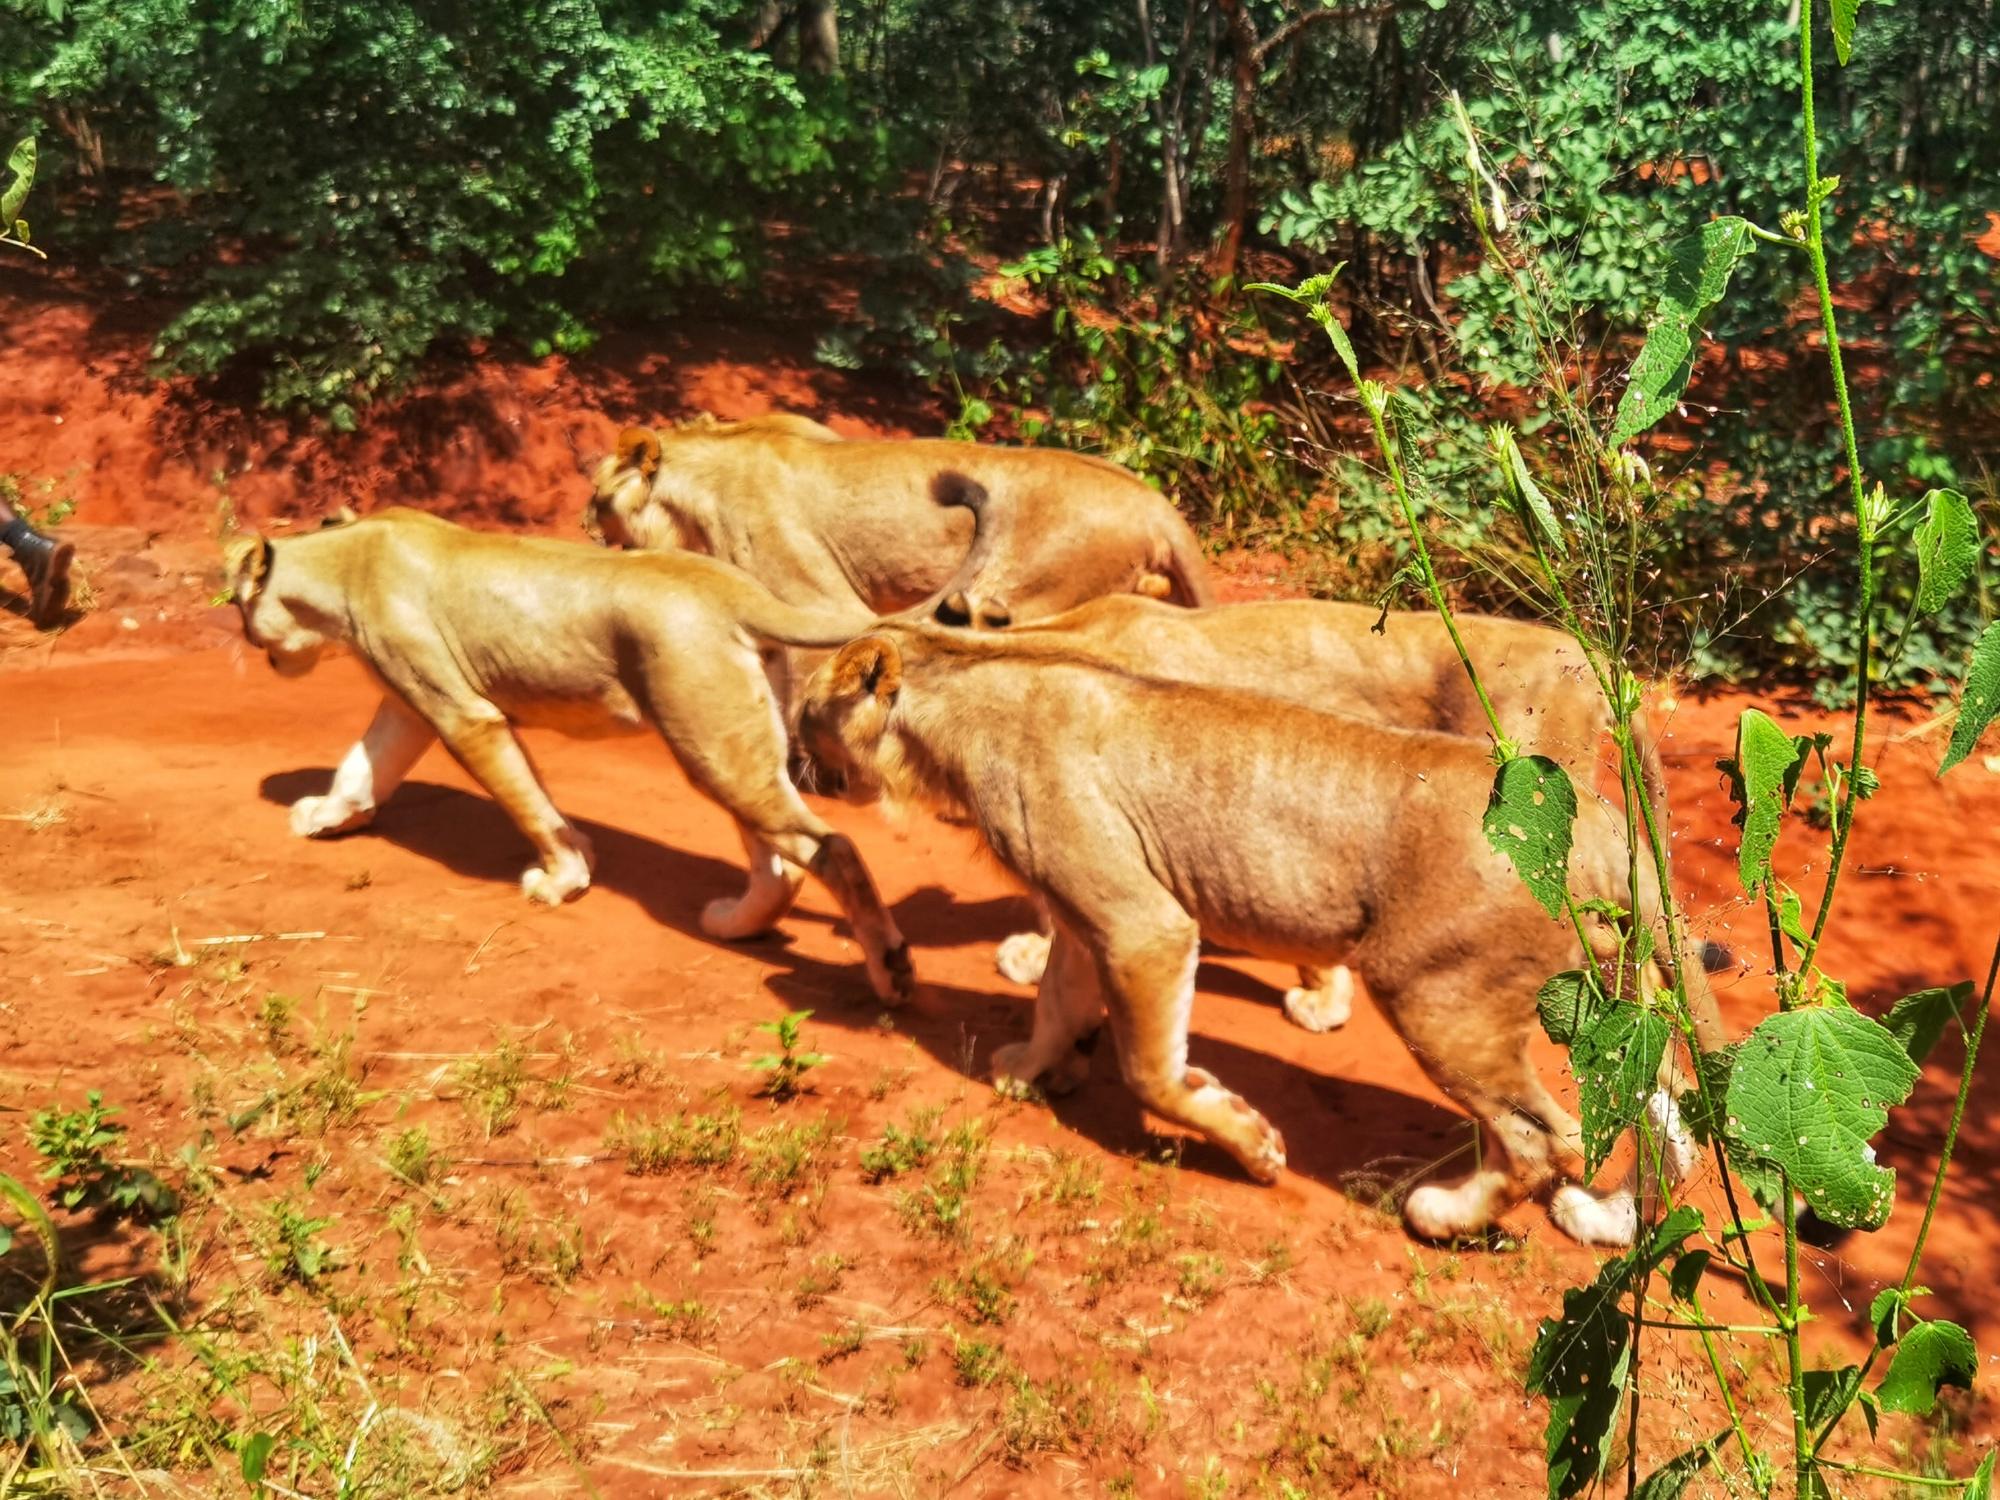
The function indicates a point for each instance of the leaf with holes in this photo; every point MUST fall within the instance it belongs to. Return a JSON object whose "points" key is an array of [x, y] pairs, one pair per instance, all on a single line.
{"points": [[1568, 1002], [1887, 1311], [1616, 1061], [1581, 1359], [1947, 549], [1980, 700], [1698, 273], [1808, 1090], [1763, 777], [1532, 505], [1528, 819], [1929, 1355], [1917, 1021]]}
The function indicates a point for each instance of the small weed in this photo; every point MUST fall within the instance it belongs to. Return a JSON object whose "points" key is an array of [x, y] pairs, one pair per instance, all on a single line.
{"points": [[288, 1239], [906, 1150], [783, 1158], [498, 1086], [787, 1067], [687, 1318], [938, 1208], [1371, 1317], [822, 1277], [274, 1019], [72, 1143], [1071, 1186], [701, 1220], [413, 1159], [976, 1363], [1201, 1279], [843, 1341], [676, 1140]]}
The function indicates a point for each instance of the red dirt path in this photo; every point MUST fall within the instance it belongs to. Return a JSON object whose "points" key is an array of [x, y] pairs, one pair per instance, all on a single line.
{"points": [[148, 768]]}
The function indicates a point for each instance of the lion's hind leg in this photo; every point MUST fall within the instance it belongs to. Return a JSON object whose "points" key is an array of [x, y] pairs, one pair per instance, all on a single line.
{"points": [[1322, 1000]]}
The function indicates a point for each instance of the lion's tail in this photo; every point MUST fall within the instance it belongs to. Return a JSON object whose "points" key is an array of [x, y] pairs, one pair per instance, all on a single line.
{"points": [[773, 620]]}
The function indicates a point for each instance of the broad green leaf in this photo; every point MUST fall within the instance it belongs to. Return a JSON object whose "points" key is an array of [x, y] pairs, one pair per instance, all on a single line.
{"points": [[1616, 1061], [21, 164], [254, 1454], [1580, 1360], [1766, 771], [1698, 274], [1887, 1311], [1685, 1279], [1535, 510], [1980, 701], [1843, 27], [1567, 1003], [1947, 549], [1830, 1392], [1671, 1479], [1929, 1355], [1917, 1021], [1528, 819], [1980, 1485], [1807, 1091]]}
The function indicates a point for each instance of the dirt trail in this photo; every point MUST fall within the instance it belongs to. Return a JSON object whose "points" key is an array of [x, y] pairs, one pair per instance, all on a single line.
{"points": [[147, 800]]}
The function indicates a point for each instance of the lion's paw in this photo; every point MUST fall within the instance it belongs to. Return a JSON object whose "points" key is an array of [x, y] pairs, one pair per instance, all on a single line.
{"points": [[1610, 1223], [1326, 1008], [726, 917], [1022, 957], [554, 887], [1265, 1160], [322, 817], [1009, 1081]]}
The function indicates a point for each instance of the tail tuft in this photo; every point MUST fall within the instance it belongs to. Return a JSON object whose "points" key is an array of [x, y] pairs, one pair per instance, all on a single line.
{"points": [[1715, 957]]}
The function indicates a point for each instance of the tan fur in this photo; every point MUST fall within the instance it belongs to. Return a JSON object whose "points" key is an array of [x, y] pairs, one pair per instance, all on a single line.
{"points": [[1149, 814], [889, 523], [472, 635], [1329, 656]]}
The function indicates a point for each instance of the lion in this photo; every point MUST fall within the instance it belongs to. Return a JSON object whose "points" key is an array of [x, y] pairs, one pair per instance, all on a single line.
{"points": [[472, 635], [889, 523], [1148, 814], [1395, 667]]}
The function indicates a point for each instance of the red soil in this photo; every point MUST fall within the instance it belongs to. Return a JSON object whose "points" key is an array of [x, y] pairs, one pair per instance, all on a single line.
{"points": [[148, 769]]}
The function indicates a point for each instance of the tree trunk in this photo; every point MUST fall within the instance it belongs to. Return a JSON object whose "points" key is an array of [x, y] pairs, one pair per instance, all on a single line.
{"points": [[1243, 66], [819, 38]]}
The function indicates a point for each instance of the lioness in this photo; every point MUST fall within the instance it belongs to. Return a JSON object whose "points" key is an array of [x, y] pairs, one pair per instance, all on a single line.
{"points": [[1329, 656], [472, 634], [1149, 813], [888, 523]]}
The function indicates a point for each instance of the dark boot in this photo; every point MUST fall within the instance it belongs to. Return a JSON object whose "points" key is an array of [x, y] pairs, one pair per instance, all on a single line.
{"points": [[46, 562]]}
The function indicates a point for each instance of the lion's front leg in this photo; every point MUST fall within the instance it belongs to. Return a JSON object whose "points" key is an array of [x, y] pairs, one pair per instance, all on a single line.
{"points": [[368, 774], [487, 748]]}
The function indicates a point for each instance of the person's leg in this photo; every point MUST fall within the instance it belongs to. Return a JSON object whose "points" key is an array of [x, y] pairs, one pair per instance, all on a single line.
{"points": [[46, 562]]}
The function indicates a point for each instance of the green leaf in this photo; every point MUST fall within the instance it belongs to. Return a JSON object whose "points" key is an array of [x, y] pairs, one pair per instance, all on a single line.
{"points": [[1535, 510], [1671, 1479], [1947, 549], [1917, 1021], [1685, 1279], [1830, 1392], [1980, 700], [1888, 1310], [1567, 1003], [1930, 1355], [1528, 819], [1765, 772], [1617, 1063], [1808, 1089], [21, 163], [1843, 27], [1698, 273], [1581, 1359], [254, 1454], [1980, 1485]]}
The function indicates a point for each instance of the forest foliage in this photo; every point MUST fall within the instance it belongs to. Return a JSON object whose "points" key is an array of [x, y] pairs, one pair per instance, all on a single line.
{"points": [[333, 191]]}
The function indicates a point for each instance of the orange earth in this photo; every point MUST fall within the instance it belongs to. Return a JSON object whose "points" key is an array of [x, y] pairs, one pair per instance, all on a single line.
{"points": [[1069, 1301]]}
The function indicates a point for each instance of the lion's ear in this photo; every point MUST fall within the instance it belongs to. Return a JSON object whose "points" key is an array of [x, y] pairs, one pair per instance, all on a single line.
{"points": [[871, 665], [246, 558], [639, 448]]}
